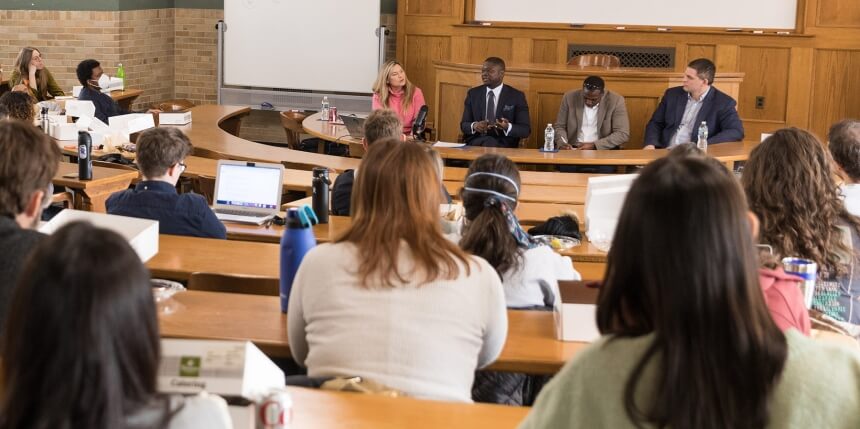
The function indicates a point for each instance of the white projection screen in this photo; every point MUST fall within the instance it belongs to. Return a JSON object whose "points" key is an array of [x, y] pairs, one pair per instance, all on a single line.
{"points": [[326, 46], [753, 14]]}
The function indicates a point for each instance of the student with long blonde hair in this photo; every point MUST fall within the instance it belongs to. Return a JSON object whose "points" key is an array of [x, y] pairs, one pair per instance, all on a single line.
{"points": [[393, 90], [392, 300]]}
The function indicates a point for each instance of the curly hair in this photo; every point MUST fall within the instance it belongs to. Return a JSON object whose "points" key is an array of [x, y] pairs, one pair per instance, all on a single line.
{"points": [[19, 105], [789, 186]]}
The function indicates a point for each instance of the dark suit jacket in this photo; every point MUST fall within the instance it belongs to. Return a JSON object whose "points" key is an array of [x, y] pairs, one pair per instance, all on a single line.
{"points": [[718, 110], [341, 193], [17, 244], [511, 105], [613, 125]]}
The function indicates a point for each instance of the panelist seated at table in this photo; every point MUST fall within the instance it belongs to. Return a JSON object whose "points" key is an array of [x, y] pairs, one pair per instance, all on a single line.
{"points": [[89, 72], [18, 105], [380, 125], [29, 162], [683, 109], [495, 114], [393, 90], [161, 155], [31, 76], [392, 300], [592, 118]]}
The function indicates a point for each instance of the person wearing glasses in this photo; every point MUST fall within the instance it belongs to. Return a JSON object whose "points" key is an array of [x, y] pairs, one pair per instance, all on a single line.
{"points": [[592, 118], [31, 76], [683, 109], [161, 155], [495, 115]]}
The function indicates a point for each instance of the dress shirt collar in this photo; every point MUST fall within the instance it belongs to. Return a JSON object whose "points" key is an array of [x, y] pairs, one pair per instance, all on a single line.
{"points": [[155, 185], [704, 94]]}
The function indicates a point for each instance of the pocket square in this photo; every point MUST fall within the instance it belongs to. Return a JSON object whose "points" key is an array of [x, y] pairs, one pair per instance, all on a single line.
{"points": [[508, 108]]}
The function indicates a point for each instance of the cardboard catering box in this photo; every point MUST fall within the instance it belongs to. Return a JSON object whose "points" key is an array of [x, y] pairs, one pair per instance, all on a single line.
{"points": [[141, 234], [575, 312]]}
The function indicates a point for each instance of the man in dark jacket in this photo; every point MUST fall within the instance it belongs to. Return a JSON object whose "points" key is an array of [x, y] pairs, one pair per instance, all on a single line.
{"points": [[683, 109], [495, 114]]}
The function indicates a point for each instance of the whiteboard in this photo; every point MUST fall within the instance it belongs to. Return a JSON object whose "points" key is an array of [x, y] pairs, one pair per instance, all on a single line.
{"points": [[315, 45], [777, 14]]}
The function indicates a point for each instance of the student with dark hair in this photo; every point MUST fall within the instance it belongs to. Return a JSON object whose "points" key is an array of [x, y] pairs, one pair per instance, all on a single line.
{"points": [[688, 341], [529, 270], [844, 137], [495, 114], [789, 185], [81, 347], [19, 105], [89, 72], [683, 109], [28, 163], [161, 155]]}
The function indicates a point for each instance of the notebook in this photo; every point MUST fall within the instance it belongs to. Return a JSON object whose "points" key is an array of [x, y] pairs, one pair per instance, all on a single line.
{"points": [[247, 192], [355, 125]]}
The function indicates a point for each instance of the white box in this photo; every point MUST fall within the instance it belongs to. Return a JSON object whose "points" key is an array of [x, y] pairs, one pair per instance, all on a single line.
{"points": [[243, 416], [604, 198], [179, 118], [575, 312], [141, 234], [64, 131]]}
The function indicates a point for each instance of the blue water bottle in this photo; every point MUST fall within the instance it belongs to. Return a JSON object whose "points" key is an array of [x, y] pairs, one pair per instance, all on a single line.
{"points": [[297, 240]]}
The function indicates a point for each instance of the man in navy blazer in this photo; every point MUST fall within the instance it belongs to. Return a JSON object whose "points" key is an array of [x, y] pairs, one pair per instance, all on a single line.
{"points": [[683, 108], [495, 115]]}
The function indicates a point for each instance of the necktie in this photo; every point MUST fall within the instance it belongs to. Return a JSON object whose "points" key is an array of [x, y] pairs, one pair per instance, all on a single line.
{"points": [[491, 107]]}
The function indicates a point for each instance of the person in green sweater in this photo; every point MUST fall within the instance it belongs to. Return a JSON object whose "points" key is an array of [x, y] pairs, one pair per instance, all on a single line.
{"points": [[31, 75], [687, 339]]}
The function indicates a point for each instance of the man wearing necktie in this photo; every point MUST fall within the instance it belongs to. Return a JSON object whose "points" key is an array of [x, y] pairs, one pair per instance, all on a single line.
{"points": [[495, 114]]}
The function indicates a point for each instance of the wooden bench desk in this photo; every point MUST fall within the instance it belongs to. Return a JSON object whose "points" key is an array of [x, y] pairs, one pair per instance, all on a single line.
{"points": [[531, 345], [91, 195]]}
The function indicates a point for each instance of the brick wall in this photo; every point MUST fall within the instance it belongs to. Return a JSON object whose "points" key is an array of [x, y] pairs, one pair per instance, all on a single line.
{"points": [[195, 54], [146, 50]]}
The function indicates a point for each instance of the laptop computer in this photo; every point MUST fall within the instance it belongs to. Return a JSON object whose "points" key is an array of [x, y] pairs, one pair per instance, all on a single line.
{"points": [[247, 192], [354, 124]]}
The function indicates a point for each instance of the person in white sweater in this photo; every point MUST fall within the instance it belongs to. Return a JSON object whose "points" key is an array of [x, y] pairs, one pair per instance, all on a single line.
{"points": [[530, 271], [392, 300], [81, 347]]}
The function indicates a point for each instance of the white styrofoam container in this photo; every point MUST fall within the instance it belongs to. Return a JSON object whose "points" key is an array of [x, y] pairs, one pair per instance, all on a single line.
{"points": [[141, 234], [178, 118], [64, 131], [575, 312]]}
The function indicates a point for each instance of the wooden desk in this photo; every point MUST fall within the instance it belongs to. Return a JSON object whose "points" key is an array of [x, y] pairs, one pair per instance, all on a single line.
{"points": [[91, 195], [125, 98], [319, 409], [531, 345]]}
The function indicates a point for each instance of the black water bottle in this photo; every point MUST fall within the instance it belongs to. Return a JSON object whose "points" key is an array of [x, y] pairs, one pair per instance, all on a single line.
{"points": [[85, 158], [319, 200]]}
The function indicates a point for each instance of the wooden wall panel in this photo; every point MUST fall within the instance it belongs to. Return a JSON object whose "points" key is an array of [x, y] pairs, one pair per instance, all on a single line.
{"points": [[835, 88], [482, 47], [838, 13], [701, 51], [639, 110], [419, 54], [546, 112], [430, 7], [450, 111], [545, 51], [766, 76]]}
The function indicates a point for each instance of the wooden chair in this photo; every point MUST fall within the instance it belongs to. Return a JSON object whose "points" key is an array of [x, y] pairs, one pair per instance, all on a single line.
{"points": [[595, 60], [66, 198], [212, 282], [173, 106], [204, 185], [292, 122]]}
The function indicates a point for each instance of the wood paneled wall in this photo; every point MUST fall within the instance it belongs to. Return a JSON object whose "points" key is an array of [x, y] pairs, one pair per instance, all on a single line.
{"points": [[808, 80]]}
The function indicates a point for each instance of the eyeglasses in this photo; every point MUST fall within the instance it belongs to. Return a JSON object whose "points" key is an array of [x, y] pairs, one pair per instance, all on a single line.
{"points": [[592, 87]]}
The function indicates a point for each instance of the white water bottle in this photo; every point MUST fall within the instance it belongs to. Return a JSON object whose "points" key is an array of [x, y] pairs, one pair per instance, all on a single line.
{"points": [[324, 111], [549, 138], [702, 142]]}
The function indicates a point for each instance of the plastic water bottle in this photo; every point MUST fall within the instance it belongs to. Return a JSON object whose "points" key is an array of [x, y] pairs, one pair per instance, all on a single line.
{"points": [[297, 240], [120, 72], [319, 199], [549, 138], [85, 158], [702, 142], [324, 111]]}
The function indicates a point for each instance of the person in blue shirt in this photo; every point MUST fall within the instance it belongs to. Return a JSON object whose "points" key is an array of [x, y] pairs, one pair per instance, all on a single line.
{"points": [[161, 154]]}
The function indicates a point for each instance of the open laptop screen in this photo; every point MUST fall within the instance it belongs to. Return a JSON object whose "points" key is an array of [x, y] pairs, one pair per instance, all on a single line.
{"points": [[248, 186]]}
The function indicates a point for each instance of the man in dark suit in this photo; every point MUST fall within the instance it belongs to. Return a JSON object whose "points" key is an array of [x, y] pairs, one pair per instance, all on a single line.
{"points": [[495, 115], [684, 108]]}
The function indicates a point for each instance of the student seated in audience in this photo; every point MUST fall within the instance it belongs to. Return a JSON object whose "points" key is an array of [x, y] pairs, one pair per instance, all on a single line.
{"points": [[392, 300], [392, 90], [844, 146], [379, 125], [161, 155], [28, 163], [89, 72], [81, 347], [530, 271], [790, 187], [688, 341], [19, 105], [31, 76]]}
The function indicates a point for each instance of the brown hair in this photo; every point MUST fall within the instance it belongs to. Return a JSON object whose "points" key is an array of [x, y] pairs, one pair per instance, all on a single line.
{"points": [[160, 148], [716, 352], [844, 137], [486, 233], [380, 87], [22, 65], [789, 186], [19, 105], [30, 160], [381, 124], [395, 207]]}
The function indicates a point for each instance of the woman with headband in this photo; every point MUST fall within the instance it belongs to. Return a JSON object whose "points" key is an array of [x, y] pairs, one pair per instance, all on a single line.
{"points": [[492, 231]]}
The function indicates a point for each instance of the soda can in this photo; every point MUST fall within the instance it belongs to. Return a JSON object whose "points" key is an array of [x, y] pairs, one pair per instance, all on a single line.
{"points": [[276, 411], [333, 112], [806, 270]]}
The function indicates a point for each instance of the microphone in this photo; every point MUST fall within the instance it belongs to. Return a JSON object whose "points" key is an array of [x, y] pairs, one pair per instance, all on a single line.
{"points": [[420, 121]]}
